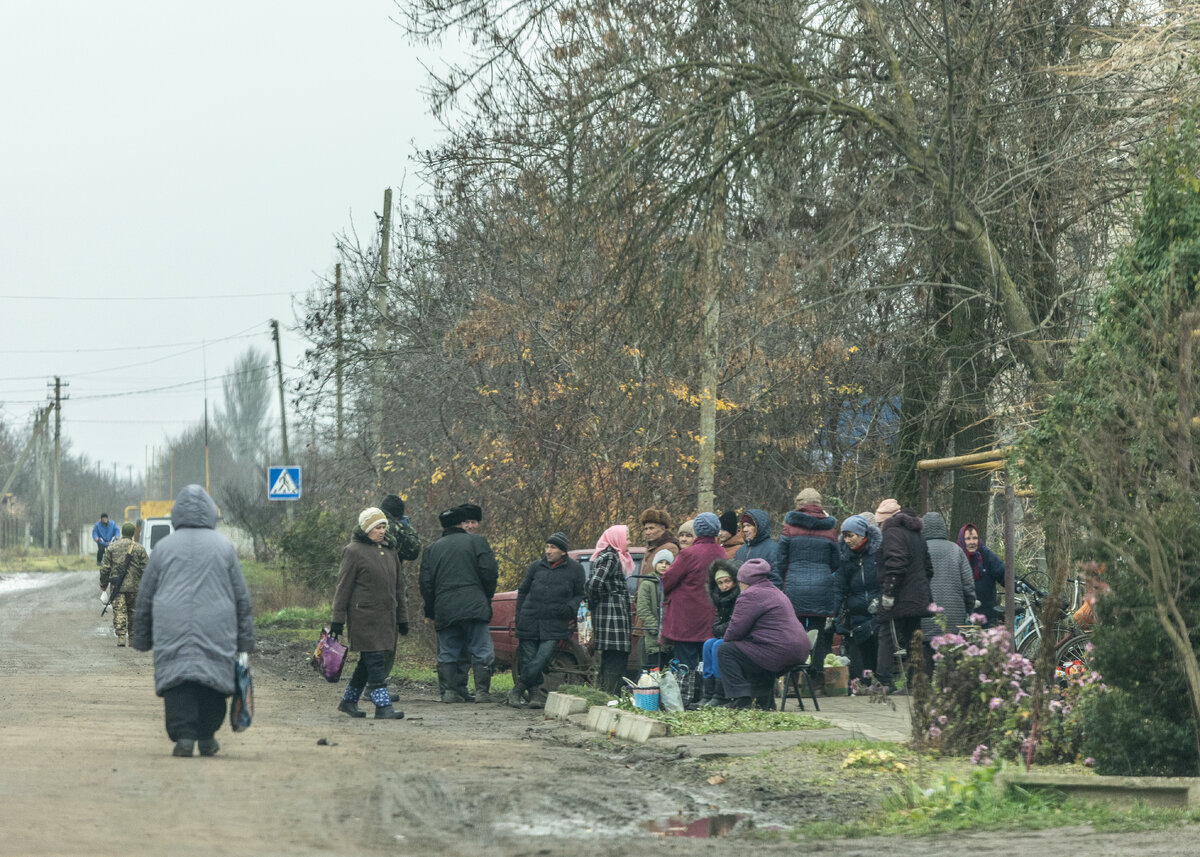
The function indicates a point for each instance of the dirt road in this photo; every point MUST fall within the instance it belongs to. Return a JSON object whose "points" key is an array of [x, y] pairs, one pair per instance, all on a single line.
{"points": [[85, 768]]}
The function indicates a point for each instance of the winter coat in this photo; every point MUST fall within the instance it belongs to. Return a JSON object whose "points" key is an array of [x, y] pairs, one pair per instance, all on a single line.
{"points": [[991, 571], [766, 629], [403, 539], [106, 533], [722, 603], [114, 562], [369, 597], [732, 544], [548, 599], [856, 585], [687, 612], [762, 546], [804, 564], [458, 578], [649, 613], [608, 599], [906, 569], [193, 606], [952, 586], [646, 568]]}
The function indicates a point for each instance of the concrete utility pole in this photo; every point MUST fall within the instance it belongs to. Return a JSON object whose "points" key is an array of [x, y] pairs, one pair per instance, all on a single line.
{"points": [[337, 349], [287, 458], [381, 281], [58, 399]]}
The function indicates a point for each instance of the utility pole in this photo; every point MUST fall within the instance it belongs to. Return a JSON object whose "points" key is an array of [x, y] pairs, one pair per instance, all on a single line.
{"points": [[337, 346], [58, 399], [287, 459], [381, 281]]}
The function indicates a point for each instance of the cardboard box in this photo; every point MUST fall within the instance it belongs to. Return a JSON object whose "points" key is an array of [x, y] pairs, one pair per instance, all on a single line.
{"points": [[837, 681]]}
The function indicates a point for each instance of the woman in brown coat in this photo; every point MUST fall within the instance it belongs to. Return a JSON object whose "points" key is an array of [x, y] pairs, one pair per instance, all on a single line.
{"points": [[370, 599]]}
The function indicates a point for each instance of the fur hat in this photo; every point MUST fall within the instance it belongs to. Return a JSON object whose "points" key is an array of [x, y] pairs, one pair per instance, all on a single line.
{"points": [[470, 512], [706, 524], [729, 521], [886, 509], [657, 516], [128, 529], [808, 497], [752, 571], [392, 506], [451, 517], [663, 554], [370, 518], [559, 540]]}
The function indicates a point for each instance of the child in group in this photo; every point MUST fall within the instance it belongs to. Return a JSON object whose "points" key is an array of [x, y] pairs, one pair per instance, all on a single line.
{"points": [[723, 592], [649, 598]]}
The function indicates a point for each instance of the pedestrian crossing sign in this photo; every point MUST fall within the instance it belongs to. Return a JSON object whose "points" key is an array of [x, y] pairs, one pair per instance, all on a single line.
{"points": [[283, 483]]}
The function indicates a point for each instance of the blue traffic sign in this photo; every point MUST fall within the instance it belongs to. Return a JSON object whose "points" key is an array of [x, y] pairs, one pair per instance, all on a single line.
{"points": [[283, 483]]}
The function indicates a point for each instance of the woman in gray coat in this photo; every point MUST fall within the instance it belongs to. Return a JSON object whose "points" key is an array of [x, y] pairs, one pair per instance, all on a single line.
{"points": [[370, 598], [193, 610]]}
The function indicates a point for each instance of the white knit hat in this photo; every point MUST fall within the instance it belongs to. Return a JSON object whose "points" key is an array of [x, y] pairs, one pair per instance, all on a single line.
{"points": [[370, 518]]}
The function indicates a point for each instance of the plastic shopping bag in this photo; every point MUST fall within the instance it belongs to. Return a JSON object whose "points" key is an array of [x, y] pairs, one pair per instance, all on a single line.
{"points": [[669, 696]]}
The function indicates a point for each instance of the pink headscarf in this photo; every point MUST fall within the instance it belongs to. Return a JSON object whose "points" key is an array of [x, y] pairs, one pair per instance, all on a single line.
{"points": [[617, 538]]}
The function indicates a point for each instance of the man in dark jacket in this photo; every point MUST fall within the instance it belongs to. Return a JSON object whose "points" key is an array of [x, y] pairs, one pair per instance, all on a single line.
{"points": [[547, 604], [458, 579], [904, 589]]}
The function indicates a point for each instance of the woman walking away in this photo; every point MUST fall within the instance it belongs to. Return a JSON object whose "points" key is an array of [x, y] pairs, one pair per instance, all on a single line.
{"points": [[952, 587], [764, 637], [649, 611], [856, 587], [904, 590], [987, 570], [687, 612], [370, 600], [193, 610], [608, 599], [723, 593]]}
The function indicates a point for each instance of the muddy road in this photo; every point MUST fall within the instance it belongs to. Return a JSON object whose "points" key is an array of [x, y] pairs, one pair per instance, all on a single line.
{"points": [[86, 769]]}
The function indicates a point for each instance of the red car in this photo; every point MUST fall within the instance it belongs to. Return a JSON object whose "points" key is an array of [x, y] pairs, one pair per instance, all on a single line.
{"points": [[572, 663]]}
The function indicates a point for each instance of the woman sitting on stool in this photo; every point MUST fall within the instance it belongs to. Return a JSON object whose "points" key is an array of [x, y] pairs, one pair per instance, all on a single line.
{"points": [[763, 638]]}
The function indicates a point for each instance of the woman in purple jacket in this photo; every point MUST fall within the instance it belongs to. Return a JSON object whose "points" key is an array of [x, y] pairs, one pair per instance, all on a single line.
{"points": [[763, 638], [687, 613]]}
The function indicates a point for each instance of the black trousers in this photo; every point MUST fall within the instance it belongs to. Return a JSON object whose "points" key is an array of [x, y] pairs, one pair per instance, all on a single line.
{"points": [[193, 710], [885, 657], [612, 668], [372, 669], [741, 676]]}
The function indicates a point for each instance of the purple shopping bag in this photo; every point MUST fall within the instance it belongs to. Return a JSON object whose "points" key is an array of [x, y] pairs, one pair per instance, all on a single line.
{"points": [[329, 656]]}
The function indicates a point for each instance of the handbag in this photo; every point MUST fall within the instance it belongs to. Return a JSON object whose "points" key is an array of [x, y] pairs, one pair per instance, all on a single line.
{"points": [[241, 707], [329, 657]]}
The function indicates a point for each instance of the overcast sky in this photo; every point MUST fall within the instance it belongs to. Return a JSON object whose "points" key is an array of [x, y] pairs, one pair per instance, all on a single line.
{"points": [[172, 174]]}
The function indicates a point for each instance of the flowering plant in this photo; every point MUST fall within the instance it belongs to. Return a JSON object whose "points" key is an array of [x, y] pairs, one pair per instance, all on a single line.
{"points": [[980, 701]]}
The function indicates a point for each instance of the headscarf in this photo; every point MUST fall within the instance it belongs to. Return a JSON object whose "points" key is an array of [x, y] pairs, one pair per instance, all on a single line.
{"points": [[617, 538], [976, 558]]}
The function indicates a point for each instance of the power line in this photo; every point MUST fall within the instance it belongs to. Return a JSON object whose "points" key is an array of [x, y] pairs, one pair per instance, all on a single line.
{"points": [[73, 299]]}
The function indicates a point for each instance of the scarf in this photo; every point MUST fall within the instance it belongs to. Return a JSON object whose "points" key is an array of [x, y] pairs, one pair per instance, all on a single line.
{"points": [[617, 538], [976, 558]]}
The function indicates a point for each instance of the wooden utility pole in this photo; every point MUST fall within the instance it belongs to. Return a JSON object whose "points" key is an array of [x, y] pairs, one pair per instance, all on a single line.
{"points": [[287, 458], [54, 515], [337, 348], [381, 282]]}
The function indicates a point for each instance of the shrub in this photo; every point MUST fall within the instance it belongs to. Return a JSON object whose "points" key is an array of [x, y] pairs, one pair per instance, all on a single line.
{"points": [[311, 548], [980, 701]]}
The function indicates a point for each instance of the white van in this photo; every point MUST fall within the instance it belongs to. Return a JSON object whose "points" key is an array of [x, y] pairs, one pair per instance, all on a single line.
{"points": [[153, 531]]}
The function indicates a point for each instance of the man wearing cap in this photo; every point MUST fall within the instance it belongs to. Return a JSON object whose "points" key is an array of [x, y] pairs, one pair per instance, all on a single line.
{"points": [[458, 579], [472, 521], [123, 554], [547, 603]]}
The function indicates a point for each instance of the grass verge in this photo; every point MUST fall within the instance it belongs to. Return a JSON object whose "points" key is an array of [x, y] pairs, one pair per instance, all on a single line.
{"points": [[709, 721]]}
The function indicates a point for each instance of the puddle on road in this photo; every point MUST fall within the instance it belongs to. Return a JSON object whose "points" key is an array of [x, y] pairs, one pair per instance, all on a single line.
{"points": [[708, 827], [23, 580]]}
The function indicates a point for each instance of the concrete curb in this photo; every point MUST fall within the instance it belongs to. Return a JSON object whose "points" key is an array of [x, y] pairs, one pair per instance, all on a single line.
{"points": [[560, 706], [624, 724], [1170, 792]]}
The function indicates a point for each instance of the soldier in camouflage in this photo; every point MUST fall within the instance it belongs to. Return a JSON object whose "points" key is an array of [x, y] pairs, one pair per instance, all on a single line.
{"points": [[123, 602], [402, 538]]}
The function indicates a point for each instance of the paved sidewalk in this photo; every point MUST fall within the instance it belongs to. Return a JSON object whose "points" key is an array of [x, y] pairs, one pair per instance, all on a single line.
{"points": [[851, 717]]}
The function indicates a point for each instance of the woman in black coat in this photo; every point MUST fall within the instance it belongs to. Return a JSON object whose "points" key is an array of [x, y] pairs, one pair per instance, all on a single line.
{"points": [[722, 592], [856, 586], [904, 589]]}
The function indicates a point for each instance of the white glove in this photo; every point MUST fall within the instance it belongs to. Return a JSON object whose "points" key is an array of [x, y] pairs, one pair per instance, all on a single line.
{"points": [[887, 602], [243, 659]]}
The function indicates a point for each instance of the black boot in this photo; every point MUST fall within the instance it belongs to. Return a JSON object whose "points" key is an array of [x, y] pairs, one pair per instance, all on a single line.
{"points": [[184, 747], [740, 702], [448, 681], [351, 708], [386, 712], [717, 700], [707, 693], [483, 684], [464, 673]]}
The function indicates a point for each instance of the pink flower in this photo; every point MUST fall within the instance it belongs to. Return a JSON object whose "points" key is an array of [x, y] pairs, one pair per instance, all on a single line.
{"points": [[934, 608], [934, 732], [995, 703], [977, 619], [1089, 762], [942, 720], [972, 651]]}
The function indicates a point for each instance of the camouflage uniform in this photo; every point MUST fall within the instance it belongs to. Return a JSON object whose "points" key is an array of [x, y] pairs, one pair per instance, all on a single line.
{"points": [[402, 538], [110, 568]]}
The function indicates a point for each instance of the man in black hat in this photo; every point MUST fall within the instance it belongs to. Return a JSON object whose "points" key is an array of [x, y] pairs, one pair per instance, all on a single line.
{"points": [[547, 603], [458, 579], [472, 516]]}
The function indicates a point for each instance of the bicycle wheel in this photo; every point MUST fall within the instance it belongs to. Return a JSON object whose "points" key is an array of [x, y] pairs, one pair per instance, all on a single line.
{"points": [[1074, 649], [1028, 647]]}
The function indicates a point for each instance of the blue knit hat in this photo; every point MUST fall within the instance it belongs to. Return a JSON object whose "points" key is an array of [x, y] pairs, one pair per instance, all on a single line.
{"points": [[856, 524], [706, 524]]}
